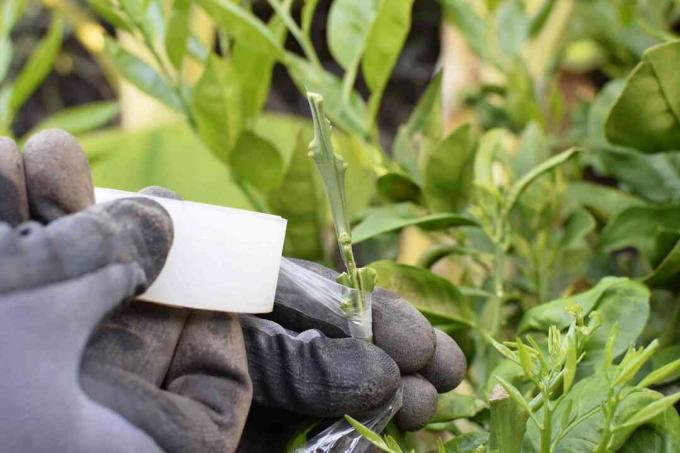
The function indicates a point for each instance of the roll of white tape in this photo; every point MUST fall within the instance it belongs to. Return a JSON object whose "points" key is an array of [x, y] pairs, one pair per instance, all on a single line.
{"points": [[221, 259]]}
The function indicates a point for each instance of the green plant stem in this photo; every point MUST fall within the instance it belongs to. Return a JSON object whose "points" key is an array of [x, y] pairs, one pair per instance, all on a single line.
{"points": [[294, 29], [609, 411], [332, 170], [348, 83], [546, 431]]}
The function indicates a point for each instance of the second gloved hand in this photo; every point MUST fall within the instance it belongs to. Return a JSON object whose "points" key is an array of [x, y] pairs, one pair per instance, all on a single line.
{"points": [[301, 360]]}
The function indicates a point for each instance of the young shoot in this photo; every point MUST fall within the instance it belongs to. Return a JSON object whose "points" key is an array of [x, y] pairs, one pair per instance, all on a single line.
{"points": [[332, 170]]}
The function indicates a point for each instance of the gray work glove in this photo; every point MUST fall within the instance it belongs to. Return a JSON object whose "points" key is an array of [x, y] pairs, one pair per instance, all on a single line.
{"points": [[152, 378], [302, 363]]}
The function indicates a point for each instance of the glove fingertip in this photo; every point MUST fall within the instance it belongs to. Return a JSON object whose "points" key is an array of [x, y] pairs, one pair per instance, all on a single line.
{"points": [[448, 365], [14, 200], [419, 403], [58, 179]]}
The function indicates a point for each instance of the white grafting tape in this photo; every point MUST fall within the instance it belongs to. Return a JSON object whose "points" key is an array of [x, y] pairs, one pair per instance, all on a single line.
{"points": [[221, 259]]}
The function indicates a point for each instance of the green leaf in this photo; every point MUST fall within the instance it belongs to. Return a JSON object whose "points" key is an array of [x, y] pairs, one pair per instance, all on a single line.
{"points": [[665, 275], [178, 32], [512, 26], [570, 367], [661, 374], [307, 15], [616, 299], [257, 162], [633, 362], [397, 186], [423, 129], [372, 437], [577, 226], [348, 27], [467, 443], [463, 16], [651, 410], [452, 406], [10, 13], [605, 202], [132, 160], [647, 114], [37, 67], [524, 182], [433, 295], [639, 227], [82, 118], [217, 107], [242, 25], [141, 75], [509, 414], [448, 171], [254, 68], [110, 14], [6, 53], [351, 116], [397, 216], [383, 46], [299, 200]]}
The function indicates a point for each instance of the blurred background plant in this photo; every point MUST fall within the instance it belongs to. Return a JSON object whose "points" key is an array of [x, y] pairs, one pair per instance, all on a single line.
{"points": [[513, 171]]}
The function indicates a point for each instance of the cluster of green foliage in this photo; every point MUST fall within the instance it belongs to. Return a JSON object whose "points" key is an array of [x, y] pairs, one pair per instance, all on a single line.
{"points": [[561, 218]]}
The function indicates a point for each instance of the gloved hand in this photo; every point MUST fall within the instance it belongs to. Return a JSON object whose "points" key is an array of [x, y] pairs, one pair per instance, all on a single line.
{"points": [[166, 378], [301, 363]]}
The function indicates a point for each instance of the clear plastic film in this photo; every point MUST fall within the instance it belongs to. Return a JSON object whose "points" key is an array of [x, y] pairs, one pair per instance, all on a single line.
{"points": [[351, 312], [343, 307]]}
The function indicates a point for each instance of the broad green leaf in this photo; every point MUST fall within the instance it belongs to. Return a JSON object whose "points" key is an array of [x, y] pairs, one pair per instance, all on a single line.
{"points": [[452, 406], [397, 216], [242, 25], [647, 114], [616, 299], [383, 46], [299, 200], [178, 32], [605, 202], [509, 414], [533, 149], [37, 67], [639, 227], [524, 182], [423, 129], [448, 171], [467, 443], [147, 15], [577, 226], [254, 69], [397, 186], [665, 275], [352, 116], [217, 107], [82, 118], [463, 16], [256, 161], [134, 160], [512, 25], [141, 75], [348, 27], [433, 295]]}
